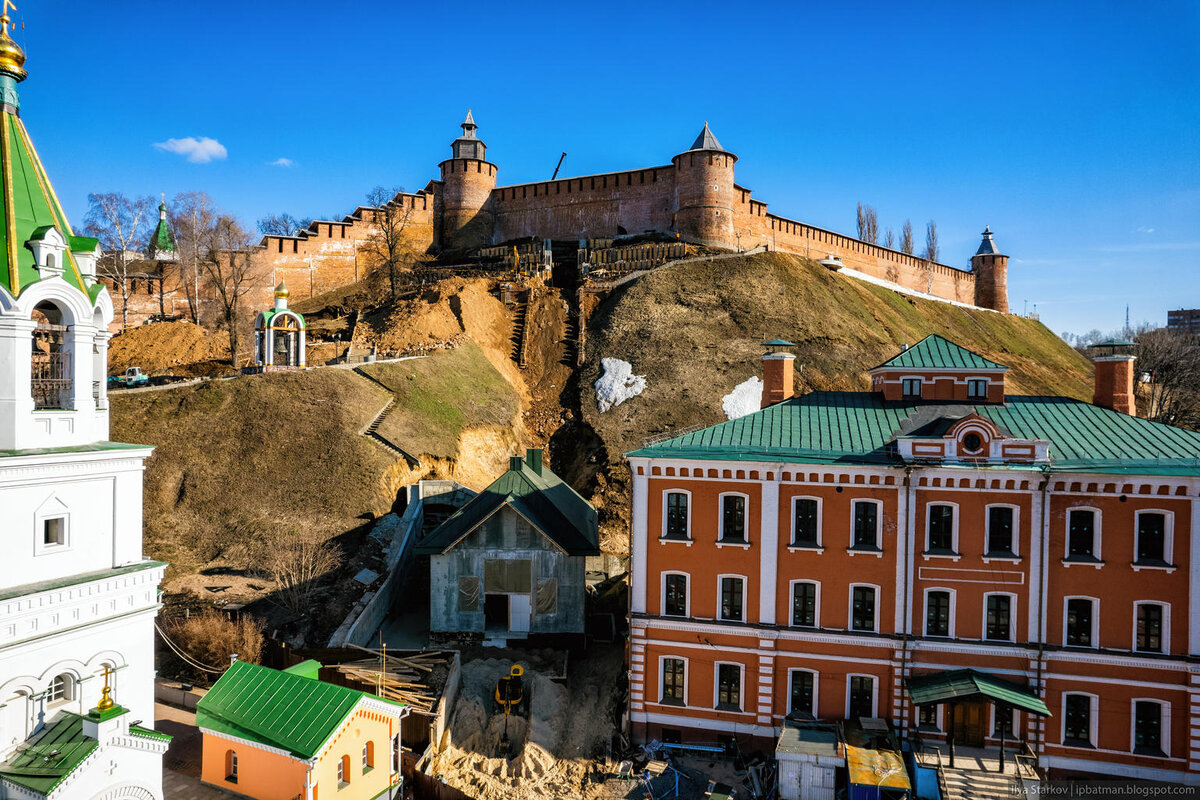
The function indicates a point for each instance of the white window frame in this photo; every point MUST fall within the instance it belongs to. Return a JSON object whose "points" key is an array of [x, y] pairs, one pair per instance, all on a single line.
{"points": [[662, 682], [987, 530], [904, 379], [816, 603], [1164, 723], [850, 606], [991, 731], [1168, 535], [745, 583], [1166, 626], [1093, 719], [1012, 618], [854, 501], [954, 551], [1097, 533], [70, 690], [987, 385], [820, 546], [925, 611], [874, 691], [816, 682], [721, 542], [687, 595], [1095, 645], [232, 767], [941, 725], [663, 533], [53, 508], [741, 709]]}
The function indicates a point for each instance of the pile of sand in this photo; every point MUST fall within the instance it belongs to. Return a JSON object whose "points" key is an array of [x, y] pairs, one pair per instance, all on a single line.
{"points": [[158, 346], [534, 762]]}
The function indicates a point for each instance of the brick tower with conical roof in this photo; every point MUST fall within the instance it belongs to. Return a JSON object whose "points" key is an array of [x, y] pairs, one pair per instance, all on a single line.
{"points": [[704, 191], [991, 274], [468, 178]]}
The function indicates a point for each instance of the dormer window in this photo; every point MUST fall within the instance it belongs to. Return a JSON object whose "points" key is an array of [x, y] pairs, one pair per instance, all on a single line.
{"points": [[912, 387], [49, 251], [977, 389], [972, 442]]}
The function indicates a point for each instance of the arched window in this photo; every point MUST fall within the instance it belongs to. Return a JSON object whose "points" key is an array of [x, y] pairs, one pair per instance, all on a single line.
{"points": [[231, 766], [343, 771], [50, 260], [368, 756], [62, 689], [50, 359]]}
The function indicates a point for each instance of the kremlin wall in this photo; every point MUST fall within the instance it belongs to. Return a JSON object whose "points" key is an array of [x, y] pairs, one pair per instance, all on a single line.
{"points": [[693, 199]]}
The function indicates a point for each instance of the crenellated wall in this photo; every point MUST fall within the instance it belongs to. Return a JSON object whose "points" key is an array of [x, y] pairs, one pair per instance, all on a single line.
{"points": [[591, 206], [694, 198]]}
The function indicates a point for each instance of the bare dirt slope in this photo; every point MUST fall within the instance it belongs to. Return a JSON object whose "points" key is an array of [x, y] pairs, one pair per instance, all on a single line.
{"points": [[695, 331], [158, 347]]}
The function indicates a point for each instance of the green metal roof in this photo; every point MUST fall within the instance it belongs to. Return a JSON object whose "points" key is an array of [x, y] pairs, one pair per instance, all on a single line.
{"points": [[543, 498], [271, 313], [29, 204], [962, 684], [162, 240], [778, 343], [50, 755], [934, 352], [861, 428], [277, 709]]}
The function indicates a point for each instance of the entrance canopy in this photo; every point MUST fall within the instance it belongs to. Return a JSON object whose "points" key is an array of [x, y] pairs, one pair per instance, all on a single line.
{"points": [[969, 684]]}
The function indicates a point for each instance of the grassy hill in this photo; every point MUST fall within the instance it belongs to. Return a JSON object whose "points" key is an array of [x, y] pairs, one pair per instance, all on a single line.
{"points": [[695, 330], [284, 450]]}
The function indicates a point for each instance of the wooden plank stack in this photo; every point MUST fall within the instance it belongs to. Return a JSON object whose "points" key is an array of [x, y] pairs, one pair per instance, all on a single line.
{"points": [[399, 678]]}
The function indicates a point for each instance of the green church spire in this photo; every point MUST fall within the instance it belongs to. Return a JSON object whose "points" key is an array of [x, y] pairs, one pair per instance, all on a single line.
{"points": [[161, 246]]}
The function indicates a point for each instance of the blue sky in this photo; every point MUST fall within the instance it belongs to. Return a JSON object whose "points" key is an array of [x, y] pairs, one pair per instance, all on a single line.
{"points": [[1073, 130]]}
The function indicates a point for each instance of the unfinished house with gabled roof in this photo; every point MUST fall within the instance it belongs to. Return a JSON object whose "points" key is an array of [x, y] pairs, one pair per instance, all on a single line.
{"points": [[511, 562]]}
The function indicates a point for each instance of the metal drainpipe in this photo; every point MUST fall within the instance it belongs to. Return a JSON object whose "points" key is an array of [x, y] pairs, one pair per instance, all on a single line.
{"points": [[908, 525], [308, 785], [1041, 633]]}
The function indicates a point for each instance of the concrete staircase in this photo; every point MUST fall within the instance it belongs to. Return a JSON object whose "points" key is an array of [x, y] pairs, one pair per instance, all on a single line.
{"points": [[371, 431], [971, 784]]}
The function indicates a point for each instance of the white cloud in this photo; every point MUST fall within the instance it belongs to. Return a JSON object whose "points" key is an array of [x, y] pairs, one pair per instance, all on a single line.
{"points": [[283, 162], [1144, 229], [198, 151]]}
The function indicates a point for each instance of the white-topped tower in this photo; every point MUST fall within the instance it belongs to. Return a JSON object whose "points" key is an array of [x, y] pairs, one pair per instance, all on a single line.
{"points": [[77, 598]]}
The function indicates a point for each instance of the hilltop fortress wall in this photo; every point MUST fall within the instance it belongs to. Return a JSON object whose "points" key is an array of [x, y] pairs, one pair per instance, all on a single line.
{"points": [[695, 198]]}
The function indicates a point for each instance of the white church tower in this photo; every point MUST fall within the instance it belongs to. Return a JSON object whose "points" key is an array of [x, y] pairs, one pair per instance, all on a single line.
{"points": [[77, 598]]}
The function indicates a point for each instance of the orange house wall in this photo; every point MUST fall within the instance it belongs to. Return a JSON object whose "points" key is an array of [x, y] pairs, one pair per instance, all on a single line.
{"points": [[261, 774], [264, 775]]}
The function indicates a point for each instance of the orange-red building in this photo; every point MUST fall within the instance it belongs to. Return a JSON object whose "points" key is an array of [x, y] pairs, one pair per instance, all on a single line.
{"points": [[274, 735], [814, 557]]}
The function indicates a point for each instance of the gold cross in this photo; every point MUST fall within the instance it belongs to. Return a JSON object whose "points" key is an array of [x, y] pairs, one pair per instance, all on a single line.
{"points": [[9, 4], [106, 701]]}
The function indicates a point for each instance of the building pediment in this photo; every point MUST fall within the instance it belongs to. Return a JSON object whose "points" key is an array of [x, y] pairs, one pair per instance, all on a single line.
{"points": [[970, 439]]}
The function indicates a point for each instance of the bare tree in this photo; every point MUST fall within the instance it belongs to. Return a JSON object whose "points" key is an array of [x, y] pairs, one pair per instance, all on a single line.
{"points": [[387, 242], [868, 224], [931, 241], [229, 266], [906, 240], [119, 222], [296, 561], [1172, 361], [282, 224], [192, 216], [889, 239]]}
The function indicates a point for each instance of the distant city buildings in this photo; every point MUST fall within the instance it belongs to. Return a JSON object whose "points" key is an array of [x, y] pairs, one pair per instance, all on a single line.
{"points": [[1184, 319]]}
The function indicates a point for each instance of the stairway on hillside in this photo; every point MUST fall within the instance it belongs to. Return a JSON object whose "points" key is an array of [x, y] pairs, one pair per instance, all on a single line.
{"points": [[520, 320], [372, 429], [971, 784], [571, 339]]}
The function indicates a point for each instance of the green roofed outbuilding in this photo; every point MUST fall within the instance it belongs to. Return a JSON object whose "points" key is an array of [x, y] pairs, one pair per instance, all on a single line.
{"points": [[512, 561]]}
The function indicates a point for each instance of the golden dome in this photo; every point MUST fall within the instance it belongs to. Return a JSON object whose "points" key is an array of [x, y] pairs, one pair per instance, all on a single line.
{"points": [[281, 290], [12, 57]]}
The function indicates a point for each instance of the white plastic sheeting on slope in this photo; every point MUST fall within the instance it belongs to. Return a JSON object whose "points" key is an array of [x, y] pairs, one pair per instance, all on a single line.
{"points": [[617, 384], [746, 398]]}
